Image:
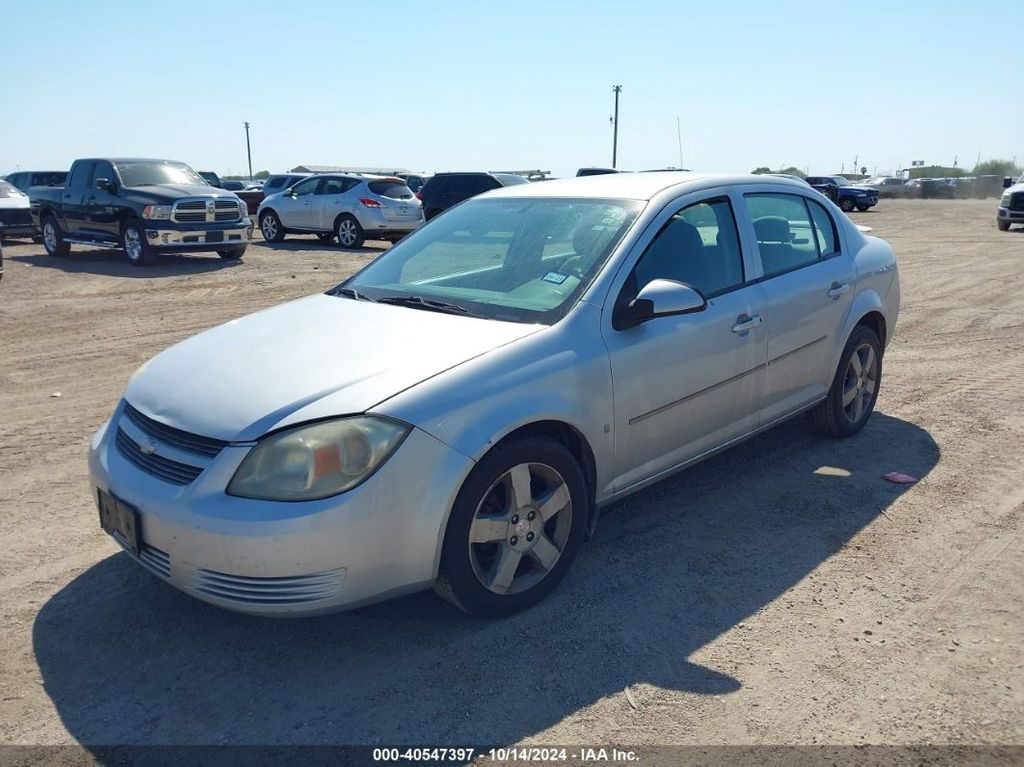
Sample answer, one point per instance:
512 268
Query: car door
295 207
100 207
808 280
331 201
686 384
72 199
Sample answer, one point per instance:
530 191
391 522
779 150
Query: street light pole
248 149
615 123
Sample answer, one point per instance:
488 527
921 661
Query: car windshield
516 259
7 190
842 180
158 174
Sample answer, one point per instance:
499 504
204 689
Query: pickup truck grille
205 210
15 217
1017 201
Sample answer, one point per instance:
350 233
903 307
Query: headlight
1005 200
156 211
317 460
243 209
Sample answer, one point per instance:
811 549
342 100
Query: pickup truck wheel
271 227
1004 226
53 239
851 398
863 208
349 233
232 254
846 204
133 240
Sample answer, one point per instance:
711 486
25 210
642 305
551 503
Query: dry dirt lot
782 592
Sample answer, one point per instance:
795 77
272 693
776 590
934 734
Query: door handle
836 289
745 323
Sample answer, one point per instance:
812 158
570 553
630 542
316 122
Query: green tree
793 171
996 168
263 174
761 171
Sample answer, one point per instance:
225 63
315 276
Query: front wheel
270 226
846 204
232 254
516 526
133 240
53 238
349 233
851 398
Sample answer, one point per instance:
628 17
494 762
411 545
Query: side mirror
106 185
1007 182
660 298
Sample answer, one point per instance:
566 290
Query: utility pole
248 149
615 125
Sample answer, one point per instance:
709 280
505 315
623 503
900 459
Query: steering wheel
572 265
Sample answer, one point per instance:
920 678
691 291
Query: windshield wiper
429 304
351 293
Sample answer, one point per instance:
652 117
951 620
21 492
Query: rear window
274 182
393 189
48 179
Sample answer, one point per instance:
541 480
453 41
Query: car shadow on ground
371 248
127 659
114 263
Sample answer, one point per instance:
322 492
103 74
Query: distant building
377 171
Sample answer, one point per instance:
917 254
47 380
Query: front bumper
20 230
201 237
1013 216
378 540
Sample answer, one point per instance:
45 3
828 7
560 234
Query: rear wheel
846 204
133 240
851 398
270 226
1004 226
232 254
516 526
349 233
53 238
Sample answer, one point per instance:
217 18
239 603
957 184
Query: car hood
14 203
171 192
313 358
1015 188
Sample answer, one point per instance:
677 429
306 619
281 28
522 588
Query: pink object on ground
899 478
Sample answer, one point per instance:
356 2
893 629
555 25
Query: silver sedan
455 414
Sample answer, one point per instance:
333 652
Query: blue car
844 194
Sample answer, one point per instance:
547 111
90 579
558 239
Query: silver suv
347 207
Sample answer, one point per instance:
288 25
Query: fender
865 302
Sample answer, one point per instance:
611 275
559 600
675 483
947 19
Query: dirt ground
781 593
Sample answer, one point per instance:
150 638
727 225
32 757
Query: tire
1004 226
53 238
834 418
232 254
325 236
536 551
863 208
271 227
349 233
133 241
846 204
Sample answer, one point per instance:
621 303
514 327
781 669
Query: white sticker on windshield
556 277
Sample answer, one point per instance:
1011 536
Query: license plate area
215 236
120 520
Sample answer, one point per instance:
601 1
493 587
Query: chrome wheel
133 243
520 528
269 227
860 382
50 237
347 232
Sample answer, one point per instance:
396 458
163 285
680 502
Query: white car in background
15 213
455 413
349 208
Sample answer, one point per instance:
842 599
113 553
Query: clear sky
489 85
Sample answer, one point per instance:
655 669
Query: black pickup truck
145 207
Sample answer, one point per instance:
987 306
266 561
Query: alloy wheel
132 243
50 237
520 528
347 234
269 227
860 382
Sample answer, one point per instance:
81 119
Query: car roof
636 186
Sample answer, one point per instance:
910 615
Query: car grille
154 559
194 443
281 591
152 463
1017 201
15 217
197 211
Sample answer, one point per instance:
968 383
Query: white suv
349 208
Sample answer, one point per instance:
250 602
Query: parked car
233 186
248 192
987 186
1011 206
414 181
886 186
281 181
444 190
349 208
145 207
455 413
28 178
15 213
929 188
843 193
211 178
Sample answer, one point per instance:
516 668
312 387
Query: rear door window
824 229
80 175
782 226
